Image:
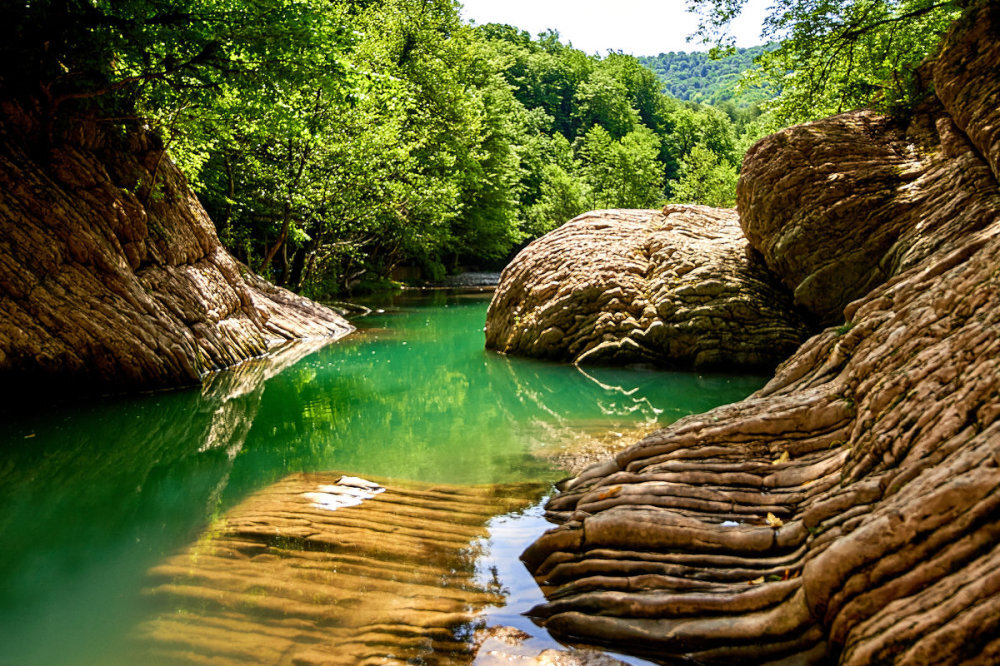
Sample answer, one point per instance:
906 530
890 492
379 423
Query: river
96 495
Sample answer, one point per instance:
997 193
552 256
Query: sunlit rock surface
678 288
110 281
291 577
841 205
848 512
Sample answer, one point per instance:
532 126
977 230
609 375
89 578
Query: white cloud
639 27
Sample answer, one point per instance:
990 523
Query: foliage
705 179
835 56
697 76
621 173
173 53
334 140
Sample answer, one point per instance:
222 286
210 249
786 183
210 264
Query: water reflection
93 496
417 397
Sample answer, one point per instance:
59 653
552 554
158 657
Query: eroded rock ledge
112 282
849 511
678 287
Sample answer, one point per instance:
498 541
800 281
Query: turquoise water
93 494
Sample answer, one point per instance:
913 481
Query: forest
711 78
332 141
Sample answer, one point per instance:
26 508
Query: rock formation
902 195
848 512
678 288
286 577
110 280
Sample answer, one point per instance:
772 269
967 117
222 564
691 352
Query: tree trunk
298 264
286 221
226 231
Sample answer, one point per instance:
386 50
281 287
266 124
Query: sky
636 27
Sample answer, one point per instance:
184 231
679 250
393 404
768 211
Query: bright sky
637 27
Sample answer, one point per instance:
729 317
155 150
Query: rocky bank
849 511
112 276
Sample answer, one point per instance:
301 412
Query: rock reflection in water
281 580
114 494
575 417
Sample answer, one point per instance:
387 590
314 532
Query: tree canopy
333 140
837 55
697 76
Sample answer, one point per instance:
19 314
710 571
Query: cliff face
849 510
839 206
111 281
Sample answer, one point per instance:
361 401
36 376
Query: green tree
624 173
839 55
123 59
602 100
711 78
562 198
705 179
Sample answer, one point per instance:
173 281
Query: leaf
773 521
783 458
756 581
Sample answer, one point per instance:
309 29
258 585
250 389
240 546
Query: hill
696 77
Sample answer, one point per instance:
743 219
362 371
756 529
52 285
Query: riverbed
98 494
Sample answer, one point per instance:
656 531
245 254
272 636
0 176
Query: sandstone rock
848 512
841 205
677 288
281 579
108 283
966 83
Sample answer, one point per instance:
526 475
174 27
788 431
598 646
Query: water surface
95 494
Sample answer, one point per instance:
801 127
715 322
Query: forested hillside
697 77
333 140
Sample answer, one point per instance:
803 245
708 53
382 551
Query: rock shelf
848 512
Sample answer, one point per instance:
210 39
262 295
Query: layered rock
110 280
325 569
848 511
839 206
677 287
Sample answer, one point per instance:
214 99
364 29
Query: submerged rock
848 512
506 646
110 280
677 287
281 580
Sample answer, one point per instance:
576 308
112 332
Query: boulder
848 511
839 206
112 276
678 287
